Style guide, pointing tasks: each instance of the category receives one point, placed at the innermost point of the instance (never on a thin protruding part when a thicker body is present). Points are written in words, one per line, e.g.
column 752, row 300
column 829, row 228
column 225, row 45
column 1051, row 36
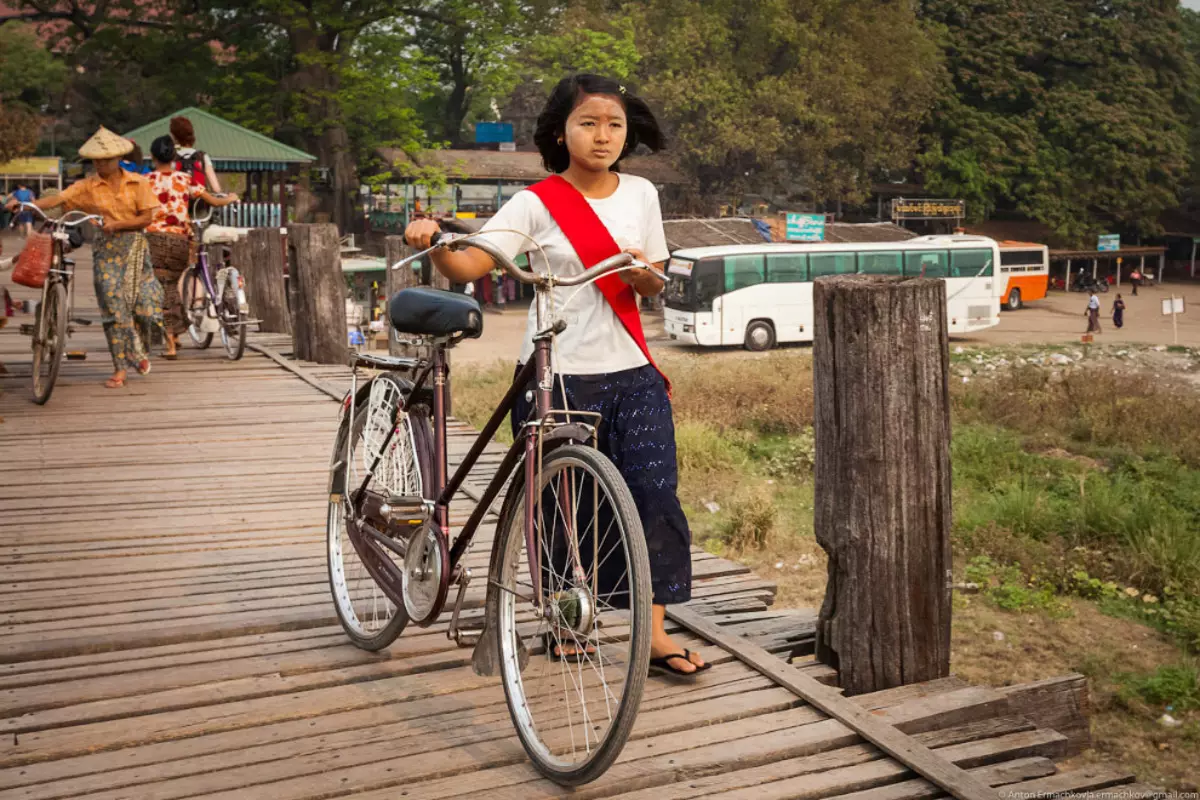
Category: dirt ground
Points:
column 1058, row 319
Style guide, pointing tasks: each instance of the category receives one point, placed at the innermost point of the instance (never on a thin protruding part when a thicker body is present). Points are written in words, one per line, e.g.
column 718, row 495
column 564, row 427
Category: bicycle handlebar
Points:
column 62, row 221
column 205, row 219
column 458, row 241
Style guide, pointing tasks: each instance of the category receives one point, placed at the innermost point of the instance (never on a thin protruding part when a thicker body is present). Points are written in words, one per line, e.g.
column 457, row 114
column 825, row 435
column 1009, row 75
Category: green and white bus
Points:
column 760, row 295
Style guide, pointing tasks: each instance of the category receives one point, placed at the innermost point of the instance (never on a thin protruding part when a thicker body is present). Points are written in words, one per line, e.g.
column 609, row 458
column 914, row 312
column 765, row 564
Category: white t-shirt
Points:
column 594, row 341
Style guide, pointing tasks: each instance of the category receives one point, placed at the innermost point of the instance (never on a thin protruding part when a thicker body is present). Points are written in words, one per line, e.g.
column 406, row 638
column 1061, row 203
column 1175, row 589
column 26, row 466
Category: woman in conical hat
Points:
column 129, row 296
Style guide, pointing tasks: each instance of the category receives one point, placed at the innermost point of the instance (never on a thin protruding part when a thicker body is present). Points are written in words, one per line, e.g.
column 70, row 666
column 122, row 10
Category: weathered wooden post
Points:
column 882, row 506
column 266, row 289
column 318, row 294
column 394, row 249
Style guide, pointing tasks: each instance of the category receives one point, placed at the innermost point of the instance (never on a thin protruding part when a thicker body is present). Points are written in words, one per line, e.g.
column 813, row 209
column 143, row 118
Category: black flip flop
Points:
column 571, row 658
column 663, row 665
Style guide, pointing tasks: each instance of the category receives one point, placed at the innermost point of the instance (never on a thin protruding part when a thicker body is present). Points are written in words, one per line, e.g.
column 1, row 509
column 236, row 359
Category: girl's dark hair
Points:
column 135, row 155
column 163, row 149
column 552, row 122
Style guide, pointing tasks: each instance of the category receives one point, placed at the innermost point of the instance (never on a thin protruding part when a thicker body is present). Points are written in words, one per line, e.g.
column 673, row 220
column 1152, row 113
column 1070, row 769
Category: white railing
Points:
column 249, row 215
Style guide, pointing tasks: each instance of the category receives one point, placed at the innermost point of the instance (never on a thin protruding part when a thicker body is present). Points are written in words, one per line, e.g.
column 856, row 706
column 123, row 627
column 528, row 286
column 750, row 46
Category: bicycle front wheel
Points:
column 573, row 714
column 233, row 327
column 49, row 341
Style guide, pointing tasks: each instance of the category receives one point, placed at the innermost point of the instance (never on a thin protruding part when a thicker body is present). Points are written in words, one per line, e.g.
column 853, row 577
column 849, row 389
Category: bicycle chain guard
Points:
column 426, row 575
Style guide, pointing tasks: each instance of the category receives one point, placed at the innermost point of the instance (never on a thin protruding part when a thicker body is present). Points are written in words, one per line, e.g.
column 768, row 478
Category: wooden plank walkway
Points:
column 166, row 629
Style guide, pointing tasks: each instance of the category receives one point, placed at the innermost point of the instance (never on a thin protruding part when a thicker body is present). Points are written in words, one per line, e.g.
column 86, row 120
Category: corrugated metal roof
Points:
column 222, row 140
column 31, row 166
column 684, row 233
column 493, row 165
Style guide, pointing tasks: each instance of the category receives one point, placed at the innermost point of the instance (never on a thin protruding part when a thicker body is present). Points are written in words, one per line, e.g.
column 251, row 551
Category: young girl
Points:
column 170, row 233
column 588, row 125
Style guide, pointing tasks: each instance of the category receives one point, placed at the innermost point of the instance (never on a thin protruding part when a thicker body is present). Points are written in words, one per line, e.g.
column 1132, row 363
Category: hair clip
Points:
column 622, row 88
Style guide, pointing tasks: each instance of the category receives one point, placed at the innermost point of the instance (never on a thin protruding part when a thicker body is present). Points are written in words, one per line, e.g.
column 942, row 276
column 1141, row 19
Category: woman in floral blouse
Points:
column 170, row 234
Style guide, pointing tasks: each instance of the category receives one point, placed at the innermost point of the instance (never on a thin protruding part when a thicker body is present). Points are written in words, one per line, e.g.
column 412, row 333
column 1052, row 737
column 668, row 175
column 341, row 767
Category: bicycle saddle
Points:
column 423, row 311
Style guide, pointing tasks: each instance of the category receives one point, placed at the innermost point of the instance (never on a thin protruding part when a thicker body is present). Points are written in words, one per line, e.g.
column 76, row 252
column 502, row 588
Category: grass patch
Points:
column 1174, row 688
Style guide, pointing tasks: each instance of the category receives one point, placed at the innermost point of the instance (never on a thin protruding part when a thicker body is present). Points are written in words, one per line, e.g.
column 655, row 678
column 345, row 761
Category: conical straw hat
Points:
column 105, row 144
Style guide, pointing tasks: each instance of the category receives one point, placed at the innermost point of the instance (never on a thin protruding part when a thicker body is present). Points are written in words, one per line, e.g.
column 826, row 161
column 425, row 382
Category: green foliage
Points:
column 606, row 46
column 1075, row 114
column 1174, row 686
column 1008, row 588
column 31, row 72
column 767, row 95
column 31, row 75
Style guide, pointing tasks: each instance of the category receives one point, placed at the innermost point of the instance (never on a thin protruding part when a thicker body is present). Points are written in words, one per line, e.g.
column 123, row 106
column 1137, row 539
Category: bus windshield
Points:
column 693, row 285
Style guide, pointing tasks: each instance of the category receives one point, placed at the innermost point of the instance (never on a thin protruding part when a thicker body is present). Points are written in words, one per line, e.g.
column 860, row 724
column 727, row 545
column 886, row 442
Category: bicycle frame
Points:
column 530, row 444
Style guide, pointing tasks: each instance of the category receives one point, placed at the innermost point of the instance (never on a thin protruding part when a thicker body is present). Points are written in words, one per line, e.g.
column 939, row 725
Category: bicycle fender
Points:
column 485, row 658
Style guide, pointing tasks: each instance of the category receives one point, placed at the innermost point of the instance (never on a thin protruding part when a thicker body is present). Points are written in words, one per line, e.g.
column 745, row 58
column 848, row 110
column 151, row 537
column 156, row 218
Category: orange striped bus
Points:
column 1024, row 273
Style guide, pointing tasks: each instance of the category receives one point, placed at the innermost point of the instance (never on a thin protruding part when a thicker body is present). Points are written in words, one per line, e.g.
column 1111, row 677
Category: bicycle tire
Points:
column 343, row 563
column 188, row 299
column 48, row 352
column 522, row 704
column 233, row 328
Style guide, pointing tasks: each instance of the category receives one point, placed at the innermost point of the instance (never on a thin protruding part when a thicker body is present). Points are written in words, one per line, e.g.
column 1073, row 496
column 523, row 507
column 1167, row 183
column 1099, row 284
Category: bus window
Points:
column 708, row 279
column 970, row 263
column 1020, row 258
column 873, row 263
column 931, row 264
column 743, row 271
column 831, row 264
column 787, row 268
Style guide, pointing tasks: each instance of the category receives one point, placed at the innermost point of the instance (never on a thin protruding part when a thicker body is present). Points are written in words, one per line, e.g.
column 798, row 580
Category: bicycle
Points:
column 212, row 305
column 567, row 614
column 51, row 327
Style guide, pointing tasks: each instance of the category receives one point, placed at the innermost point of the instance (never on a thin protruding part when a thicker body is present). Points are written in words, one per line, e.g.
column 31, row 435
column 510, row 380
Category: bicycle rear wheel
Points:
column 368, row 614
column 49, row 341
column 573, row 717
column 233, row 328
column 195, row 308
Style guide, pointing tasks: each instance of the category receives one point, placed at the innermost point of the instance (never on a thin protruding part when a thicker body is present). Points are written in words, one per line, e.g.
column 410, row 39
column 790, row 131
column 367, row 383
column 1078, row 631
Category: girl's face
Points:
column 595, row 133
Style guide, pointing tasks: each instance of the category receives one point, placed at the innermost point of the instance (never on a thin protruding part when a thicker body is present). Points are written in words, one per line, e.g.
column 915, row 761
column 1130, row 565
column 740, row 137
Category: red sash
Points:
column 593, row 243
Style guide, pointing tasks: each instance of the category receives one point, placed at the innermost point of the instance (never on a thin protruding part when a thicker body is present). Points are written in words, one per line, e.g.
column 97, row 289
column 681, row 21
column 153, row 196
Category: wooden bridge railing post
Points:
column 394, row 249
column 882, row 506
column 318, row 294
column 266, row 288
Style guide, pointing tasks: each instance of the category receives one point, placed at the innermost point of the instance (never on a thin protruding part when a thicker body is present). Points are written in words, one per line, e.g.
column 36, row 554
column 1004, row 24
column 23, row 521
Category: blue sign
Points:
column 1109, row 241
column 489, row 132
column 806, row 227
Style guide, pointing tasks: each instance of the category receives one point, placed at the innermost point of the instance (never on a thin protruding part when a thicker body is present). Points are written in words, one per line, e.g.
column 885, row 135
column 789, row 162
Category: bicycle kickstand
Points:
column 463, row 637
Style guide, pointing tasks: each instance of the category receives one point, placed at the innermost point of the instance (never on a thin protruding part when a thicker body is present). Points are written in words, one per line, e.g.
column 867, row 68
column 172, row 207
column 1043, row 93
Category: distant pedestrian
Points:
column 135, row 162
column 190, row 160
column 1093, row 314
column 24, row 194
column 1118, row 314
column 1135, row 278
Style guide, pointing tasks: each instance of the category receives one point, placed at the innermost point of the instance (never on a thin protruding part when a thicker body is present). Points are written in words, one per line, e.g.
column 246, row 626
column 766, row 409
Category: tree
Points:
column 780, row 95
column 300, row 53
column 1075, row 113
column 473, row 49
column 31, row 76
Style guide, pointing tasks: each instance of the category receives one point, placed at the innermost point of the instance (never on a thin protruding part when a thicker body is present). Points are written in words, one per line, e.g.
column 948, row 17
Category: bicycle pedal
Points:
column 27, row 329
column 81, row 321
column 77, row 355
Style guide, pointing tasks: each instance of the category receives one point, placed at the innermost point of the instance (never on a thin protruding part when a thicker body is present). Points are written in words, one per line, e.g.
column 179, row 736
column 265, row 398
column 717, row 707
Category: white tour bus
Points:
column 758, row 295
